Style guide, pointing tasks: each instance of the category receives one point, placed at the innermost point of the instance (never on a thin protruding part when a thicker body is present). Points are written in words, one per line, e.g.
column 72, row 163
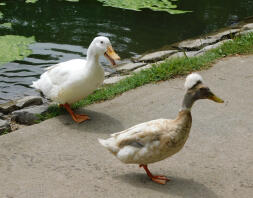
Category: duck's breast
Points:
column 81, row 83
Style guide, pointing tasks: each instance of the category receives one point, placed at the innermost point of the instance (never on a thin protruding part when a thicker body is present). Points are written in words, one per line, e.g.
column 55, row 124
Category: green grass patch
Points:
column 6, row 131
column 13, row 47
column 171, row 68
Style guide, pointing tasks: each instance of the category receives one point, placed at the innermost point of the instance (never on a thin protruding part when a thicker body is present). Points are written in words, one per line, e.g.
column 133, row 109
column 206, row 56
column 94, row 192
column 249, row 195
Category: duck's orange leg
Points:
column 160, row 179
column 76, row 117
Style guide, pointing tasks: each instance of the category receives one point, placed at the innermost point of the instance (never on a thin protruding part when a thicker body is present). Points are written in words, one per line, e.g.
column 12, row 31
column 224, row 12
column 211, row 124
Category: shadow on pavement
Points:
column 181, row 187
column 99, row 123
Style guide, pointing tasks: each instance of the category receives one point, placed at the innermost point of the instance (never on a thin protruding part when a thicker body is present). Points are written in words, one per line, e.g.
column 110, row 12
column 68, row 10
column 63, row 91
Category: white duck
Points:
column 71, row 81
column 156, row 140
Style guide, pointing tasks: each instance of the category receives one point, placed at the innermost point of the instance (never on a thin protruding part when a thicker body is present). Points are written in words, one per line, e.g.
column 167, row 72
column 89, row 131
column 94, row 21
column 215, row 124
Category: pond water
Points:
column 63, row 30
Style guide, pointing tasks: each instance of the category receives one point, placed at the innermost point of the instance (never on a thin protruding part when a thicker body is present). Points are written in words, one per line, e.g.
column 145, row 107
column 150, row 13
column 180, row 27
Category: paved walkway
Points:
column 61, row 159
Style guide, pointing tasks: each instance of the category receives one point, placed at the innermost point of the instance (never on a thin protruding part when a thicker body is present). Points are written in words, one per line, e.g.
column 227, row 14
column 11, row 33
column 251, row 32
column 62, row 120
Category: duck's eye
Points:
column 102, row 42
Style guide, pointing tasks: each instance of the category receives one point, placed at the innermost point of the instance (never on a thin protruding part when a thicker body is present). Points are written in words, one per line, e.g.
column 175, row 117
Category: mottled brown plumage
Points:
column 156, row 140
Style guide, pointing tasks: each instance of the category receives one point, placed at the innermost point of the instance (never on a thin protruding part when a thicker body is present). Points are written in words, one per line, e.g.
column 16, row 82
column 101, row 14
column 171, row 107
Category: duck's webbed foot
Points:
column 81, row 118
column 76, row 117
column 160, row 179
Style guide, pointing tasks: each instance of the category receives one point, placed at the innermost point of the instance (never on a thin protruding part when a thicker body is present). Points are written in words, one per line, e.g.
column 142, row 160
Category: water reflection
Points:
column 63, row 31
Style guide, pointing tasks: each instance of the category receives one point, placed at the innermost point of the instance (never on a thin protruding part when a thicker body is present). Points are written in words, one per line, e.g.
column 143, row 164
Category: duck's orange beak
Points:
column 111, row 55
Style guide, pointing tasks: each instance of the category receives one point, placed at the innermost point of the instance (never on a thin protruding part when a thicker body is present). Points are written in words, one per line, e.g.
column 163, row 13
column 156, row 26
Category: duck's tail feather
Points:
column 34, row 85
column 109, row 144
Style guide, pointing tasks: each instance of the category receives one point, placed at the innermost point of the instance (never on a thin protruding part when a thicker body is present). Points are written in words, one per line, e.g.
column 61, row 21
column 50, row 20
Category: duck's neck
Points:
column 184, row 118
column 92, row 57
column 187, row 101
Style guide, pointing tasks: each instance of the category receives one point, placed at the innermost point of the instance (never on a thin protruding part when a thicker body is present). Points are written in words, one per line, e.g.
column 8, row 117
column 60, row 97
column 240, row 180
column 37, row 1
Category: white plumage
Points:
column 192, row 79
column 73, row 80
column 70, row 81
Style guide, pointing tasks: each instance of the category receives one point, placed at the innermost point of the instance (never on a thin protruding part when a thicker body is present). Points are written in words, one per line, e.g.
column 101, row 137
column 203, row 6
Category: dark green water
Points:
column 63, row 31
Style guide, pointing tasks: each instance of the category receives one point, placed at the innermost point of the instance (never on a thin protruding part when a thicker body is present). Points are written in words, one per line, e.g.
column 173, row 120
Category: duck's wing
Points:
column 143, row 134
column 65, row 72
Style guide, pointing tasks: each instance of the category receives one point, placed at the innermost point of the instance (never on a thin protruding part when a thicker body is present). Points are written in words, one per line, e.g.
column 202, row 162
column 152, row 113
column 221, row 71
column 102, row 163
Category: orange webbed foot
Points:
column 81, row 118
column 160, row 179
column 76, row 117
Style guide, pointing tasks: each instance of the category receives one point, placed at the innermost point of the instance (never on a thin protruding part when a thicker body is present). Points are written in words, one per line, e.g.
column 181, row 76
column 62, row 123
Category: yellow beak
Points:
column 111, row 55
column 216, row 99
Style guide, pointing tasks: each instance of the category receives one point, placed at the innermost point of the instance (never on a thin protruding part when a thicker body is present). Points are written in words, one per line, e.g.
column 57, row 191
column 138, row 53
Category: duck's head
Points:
column 197, row 90
column 102, row 46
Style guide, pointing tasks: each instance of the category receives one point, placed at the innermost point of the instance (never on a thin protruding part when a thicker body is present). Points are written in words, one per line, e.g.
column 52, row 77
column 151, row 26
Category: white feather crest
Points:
column 192, row 79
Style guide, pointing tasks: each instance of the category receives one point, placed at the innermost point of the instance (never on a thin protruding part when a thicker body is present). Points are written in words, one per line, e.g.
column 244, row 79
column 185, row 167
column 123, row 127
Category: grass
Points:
column 171, row 68
column 5, row 131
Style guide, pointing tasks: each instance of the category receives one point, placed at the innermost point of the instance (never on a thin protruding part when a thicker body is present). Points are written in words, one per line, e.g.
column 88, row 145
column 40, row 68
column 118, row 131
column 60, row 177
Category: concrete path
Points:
column 61, row 159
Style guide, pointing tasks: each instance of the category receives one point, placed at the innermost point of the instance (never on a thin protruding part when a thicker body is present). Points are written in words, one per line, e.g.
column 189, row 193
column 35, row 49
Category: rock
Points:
column 114, row 79
column 223, row 34
column 29, row 115
column 11, row 106
column 1, row 115
column 143, row 68
column 149, row 66
column 182, row 54
column 8, row 107
column 130, row 66
column 177, row 55
column 156, row 56
column 248, row 26
column 244, row 32
column 107, row 74
column 4, row 126
column 29, row 101
column 197, row 44
column 209, row 47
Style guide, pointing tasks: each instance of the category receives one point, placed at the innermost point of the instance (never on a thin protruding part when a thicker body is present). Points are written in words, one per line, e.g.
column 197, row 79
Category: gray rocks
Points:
column 244, row 32
column 22, row 111
column 29, row 101
column 188, row 48
column 8, row 107
column 227, row 34
column 11, row 106
column 248, row 26
column 4, row 126
column 107, row 74
column 1, row 115
column 29, row 115
column 182, row 54
column 156, row 56
column 197, row 44
column 130, row 66
column 143, row 68
column 209, row 47
column 114, row 79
